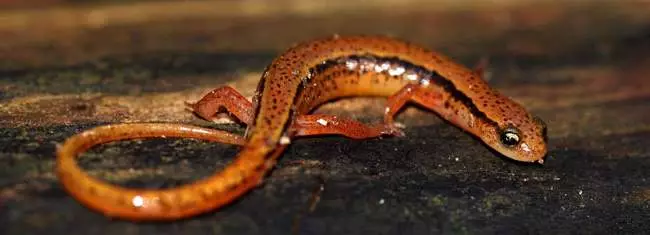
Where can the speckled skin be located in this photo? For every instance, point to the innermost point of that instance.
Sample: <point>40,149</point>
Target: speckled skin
<point>307,75</point>
<point>285,75</point>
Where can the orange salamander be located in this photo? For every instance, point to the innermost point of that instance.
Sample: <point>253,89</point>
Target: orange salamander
<point>294,84</point>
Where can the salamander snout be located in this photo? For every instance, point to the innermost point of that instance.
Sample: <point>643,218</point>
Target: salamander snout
<point>526,142</point>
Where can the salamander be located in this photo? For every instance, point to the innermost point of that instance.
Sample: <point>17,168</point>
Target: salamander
<point>291,87</point>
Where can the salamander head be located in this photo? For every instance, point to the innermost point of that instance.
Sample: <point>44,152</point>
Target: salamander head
<point>521,140</point>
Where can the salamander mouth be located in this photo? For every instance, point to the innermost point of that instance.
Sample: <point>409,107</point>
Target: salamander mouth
<point>518,156</point>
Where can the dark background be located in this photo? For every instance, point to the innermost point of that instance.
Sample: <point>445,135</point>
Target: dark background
<point>582,66</point>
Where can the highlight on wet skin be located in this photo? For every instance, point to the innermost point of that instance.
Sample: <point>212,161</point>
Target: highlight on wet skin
<point>306,76</point>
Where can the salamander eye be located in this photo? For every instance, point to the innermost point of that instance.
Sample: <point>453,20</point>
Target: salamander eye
<point>510,137</point>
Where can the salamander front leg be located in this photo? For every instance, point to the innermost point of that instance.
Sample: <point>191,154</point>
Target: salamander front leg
<point>224,97</point>
<point>317,124</point>
<point>411,92</point>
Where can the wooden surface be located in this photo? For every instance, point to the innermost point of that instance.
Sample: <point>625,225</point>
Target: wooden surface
<point>582,67</point>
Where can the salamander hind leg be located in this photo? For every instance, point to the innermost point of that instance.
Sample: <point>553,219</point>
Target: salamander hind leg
<point>412,92</point>
<point>481,67</point>
<point>318,124</point>
<point>223,97</point>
